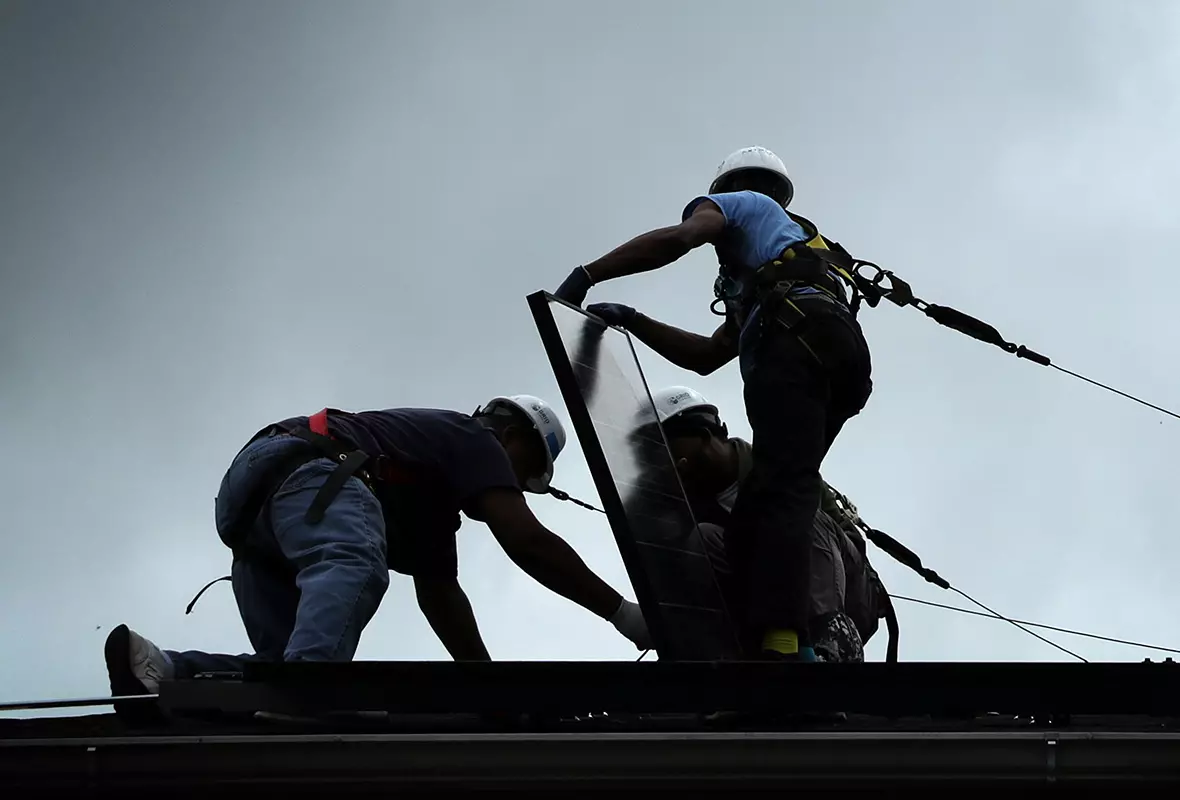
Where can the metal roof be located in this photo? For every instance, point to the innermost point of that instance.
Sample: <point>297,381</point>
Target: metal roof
<point>537,762</point>
<point>537,727</point>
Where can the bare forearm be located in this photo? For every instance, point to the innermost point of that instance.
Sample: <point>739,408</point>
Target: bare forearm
<point>687,350</point>
<point>644,253</point>
<point>553,563</point>
<point>450,616</point>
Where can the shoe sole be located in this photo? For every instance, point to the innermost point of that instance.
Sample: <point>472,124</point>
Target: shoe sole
<point>117,653</point>
<point>118,657</point>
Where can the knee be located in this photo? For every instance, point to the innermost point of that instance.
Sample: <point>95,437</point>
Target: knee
<point>378,583</point>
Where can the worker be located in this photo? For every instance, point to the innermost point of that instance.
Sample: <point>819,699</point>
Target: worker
<point>802,356</point>
<point>847,596</point>
<point>317,509</point>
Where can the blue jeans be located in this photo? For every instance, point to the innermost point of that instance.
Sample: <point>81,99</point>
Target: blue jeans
<point>322,584</point>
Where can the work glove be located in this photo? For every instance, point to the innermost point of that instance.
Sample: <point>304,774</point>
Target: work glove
<point>628,620</point>
<point>573,289</point>
<point>612,313</point>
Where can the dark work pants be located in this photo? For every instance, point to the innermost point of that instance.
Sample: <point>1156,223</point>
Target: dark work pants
<point>798,396</point>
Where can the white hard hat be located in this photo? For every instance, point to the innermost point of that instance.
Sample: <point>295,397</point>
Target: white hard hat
<point>548,426</point>
<point>675,400</point>
<point>756,158</point>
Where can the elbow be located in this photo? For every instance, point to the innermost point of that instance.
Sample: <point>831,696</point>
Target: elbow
<point>710,361</point>
<point>522,548</point>
<point>686,238</point>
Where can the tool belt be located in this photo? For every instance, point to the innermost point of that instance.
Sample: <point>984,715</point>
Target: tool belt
<point>798,267</point>
<point>773,286</point>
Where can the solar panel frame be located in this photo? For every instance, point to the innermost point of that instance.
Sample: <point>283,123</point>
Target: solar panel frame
<point>680,631</point>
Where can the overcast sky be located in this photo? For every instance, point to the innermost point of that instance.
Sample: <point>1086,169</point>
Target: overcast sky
<point>214,215</point>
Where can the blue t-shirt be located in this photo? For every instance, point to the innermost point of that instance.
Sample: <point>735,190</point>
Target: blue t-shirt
<point>757,230</point>
<point>453,458</point>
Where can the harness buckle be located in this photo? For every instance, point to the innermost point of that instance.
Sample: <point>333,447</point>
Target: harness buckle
<point>726,288</point>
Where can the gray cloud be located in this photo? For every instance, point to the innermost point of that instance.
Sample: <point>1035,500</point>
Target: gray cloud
<point>214,215</point>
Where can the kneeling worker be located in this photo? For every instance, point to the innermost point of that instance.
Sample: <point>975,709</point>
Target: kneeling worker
<point>318,509</point>
<point>845,595</point>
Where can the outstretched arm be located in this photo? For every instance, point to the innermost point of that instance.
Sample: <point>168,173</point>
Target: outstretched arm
<point>647,251</point>
<point>660,247</point>
<point>544,555</point>
<point>547,558</point>
<point>692,351</point>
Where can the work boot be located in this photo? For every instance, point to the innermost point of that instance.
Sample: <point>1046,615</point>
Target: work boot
<point>134,664</point>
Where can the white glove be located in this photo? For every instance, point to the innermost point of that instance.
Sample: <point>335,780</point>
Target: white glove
<point>628,620</point>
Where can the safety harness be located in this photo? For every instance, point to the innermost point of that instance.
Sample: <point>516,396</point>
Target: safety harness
<point>844,512</point>
<point>379,473</point>
<point>823,264</point>
<point>373,470</point>
<point>814,262</point>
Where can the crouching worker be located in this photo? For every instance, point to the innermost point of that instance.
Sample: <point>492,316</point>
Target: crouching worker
<point>317,509</point>
<point>845,594</point>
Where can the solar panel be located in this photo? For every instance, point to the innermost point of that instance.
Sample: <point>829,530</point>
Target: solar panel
<point>614,418</point>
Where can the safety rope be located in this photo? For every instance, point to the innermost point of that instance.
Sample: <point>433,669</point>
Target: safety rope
<point>1036,624</point>
<point>565,496</point>
<point>891,547</point>
<point>900,293</point>
<point>903,555</point>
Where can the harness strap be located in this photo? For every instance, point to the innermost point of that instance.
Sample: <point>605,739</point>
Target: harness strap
<point>318,422</point>
<point>351,462</point>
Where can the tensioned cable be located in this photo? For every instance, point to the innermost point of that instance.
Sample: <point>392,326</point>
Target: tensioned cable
<point>1036,624</point>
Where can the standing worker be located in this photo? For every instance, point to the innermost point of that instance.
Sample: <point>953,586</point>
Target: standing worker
<point>803,359</point>
<point>318,509</point>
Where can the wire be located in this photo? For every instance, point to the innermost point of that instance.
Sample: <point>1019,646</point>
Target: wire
<point>560,495</point>
<point>1116,391</point>
<point>1034,634</point>
<point>193,602</point>
<point>900,293</point>
<point>1037,624</point>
